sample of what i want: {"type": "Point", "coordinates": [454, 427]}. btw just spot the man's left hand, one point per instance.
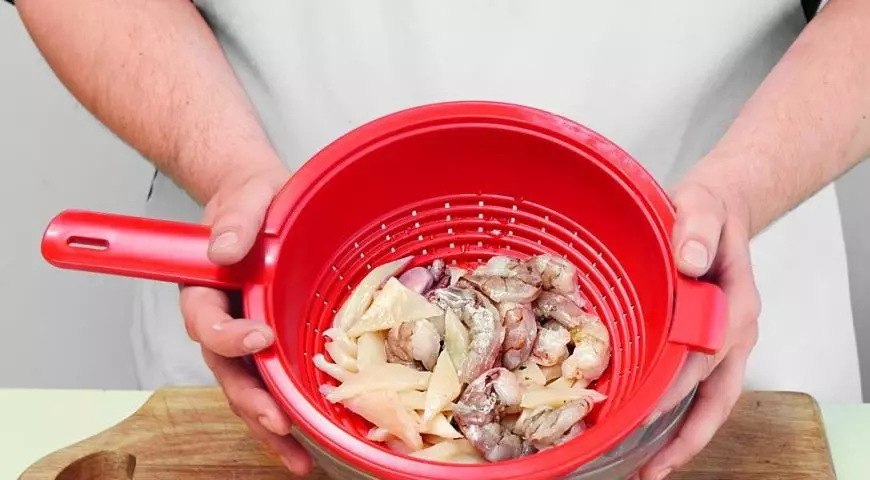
{"type": "Point", "coordinates": [711, 242]}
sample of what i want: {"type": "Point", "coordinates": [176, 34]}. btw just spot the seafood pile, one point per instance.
{"type": "Point", "coordinates": [483, 364]}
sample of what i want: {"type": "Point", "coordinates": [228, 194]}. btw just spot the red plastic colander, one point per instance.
{"type": "Point", "coordinates": [461, 181]}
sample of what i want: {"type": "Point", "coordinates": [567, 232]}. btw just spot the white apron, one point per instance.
{"type": "Point", "coordinates": [661, 79]}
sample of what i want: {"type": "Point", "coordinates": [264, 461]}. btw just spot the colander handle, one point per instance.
{"type": "Point", "coordinates": [700, 316]}
{"type": "Point", "coordinates": [137, 247]}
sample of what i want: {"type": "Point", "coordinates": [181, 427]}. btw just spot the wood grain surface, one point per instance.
{"type": "Point", "coordinates": [190, 433]}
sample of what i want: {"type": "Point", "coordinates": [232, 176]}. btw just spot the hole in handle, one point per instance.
{"type": "Point", "coordinates": [104, 465]}
{"type": "Point", "coordinates": [87, 243]}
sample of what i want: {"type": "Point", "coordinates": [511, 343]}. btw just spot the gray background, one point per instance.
{"type": "Point", "coordinates": [67, 330]}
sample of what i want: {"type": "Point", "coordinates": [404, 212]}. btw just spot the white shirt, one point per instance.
{"type": "Point", "coordinates": [661, 79]}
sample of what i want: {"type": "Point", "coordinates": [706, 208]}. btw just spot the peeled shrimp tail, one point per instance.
{"type": "Point", "coordinates": [575, 431]}
{"type": "Point", "coordinates": [501, 289]}
{"type": "Point", "coordinates": [410, 342]}
{"type": "Point", "coordinates": [588, 361]}
{"type": "Point", "coordinates": [398, 345]}
{"type": "Point", "coordinates": [439, 273]}
{"type": "Point", "coordinates": [497, 443]}
{"type": "Point", "coordinates": [487, 397]}
{"type": "Point", "coordinates": [560, 308]}
{"type": "Point", "coordinates": [556, 273]}
{"type": "Point", "coordinates": [591, 355]}
{"type": "Point", "coordinates": [479, 412]}
{"type": "Point", "coordinates": [544, 426]}
{"type": "Point", "coordinates": [521, 329]}
{"type": "Point", "coordinates": [487, 335]}
{"type": "Point", "coordinates": [551, 346]}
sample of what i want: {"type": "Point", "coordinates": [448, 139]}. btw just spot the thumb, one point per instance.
{"type": "Point", "coordinates": [700, 218]}
{"type": "Point", "coordinates": [238, 220]}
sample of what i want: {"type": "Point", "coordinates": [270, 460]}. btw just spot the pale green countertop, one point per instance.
{"type": "Point", "coordinates": [34, 423]}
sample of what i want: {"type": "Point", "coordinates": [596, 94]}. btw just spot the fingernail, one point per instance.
{"type": "Point", "coordinates": [224, 240]}
{"type": "Point", "coordinates": [255, 341]}
{"type": "Point", "coordinates": [655, 416]}
{"type": "Point", "coordinates": [291, 467]}
{"type": "Point", "coordinates": [695, 254]}
{"type": "Point", "coordinates": [664, 474]}
{"type": "Point", "coordinates": [265, 422]}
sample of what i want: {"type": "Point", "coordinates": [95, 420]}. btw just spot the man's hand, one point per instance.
{"type": "Point", "coordinates": [710, 241]}
{"type": "Point", "coordinates": [236, 214]}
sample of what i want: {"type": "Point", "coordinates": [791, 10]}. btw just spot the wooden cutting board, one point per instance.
{"type": "Point", "coordinates": [190, 434]}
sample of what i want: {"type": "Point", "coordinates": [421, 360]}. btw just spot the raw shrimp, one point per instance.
{"type": "Point", "coordinates": [507, 267]}
{"type": "Point", "coordinates": [545, 426]}
{"type": "Point", "coordinates": [559, 275]}
{"type": "Point", "coordinates": [487, 397]}
{"type": "Point", "coordinates": [521, 329]}
{"type": "Point", "coordinates": [507, 349]}
{"type": "Point", "coordinates": [500, 289]}
{"type": "Point", "coordinates": [575, 431]}
{"type": "Point", "coordinates": [410, 342]}
{"type": "Point", "coordinates": [439, 273]}
{"type": "Point", "coordinates": [505, 279]}
{"type": "Point", "coordinates": [417, 279]}
{"type": "Point", "coordinates": [496, 442]}
{"type": "Point", "coordinates": [591, 355]}
{"type": "Point", "coordinates": [478, 412]}
{"type": "Point", "coordinates": [455, 274]}
{"type": "Point", "coordinates": [551, 346]}
{"type": "Point", "coordinates": [484, 324]}
{"type": "Point", "coordinates": [560, 308]}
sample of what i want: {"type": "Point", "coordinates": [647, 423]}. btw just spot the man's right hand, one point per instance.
{"type": "Point", "coordinates": [236, 213]}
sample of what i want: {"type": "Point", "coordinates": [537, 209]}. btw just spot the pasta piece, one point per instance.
{"type": "Point", "coordinates": [439, 426]}
{"type": "Point", "coordinates": [394, 304]}
{"type": "Point", "coordinates": [558, 396]}
{"type": "Point", "coordinates": [529, 375]}
{"type": "Point", "coordinates": [456, 339]}
{"type": "Point", "coordinates": [430, 440]}
{"type": "Point", "coordinates": [388, 377]}
{"type": "Point", "coordinates": [552, 373]}
{"type": "Point", "coordinates": [341, 357]}
{"type": "Point", "coordinates": [416, 400]}
{"type": "Point", "coordinates": [455, 274]}
{"type": "Point", "coordinates": [443, 387]}
{"type": "Point", "coordinates": [467, 458]}
{"type": "Point", "coordinates": [331, 369]}
{"type": "Point", "coordinates": [340, 337]}
{"type": "Point", "coordinates": [398, 446]}
{"type": "Point", "coordinates": [383, 409]}
{"type": "Point", "coordinates": [371, 350]}
{"type": "Point", "coordinates": [413, 399]}
{"type": "Point", "coordinates": [562, 382]}
{"type": "Point", "coordinates": [445, 451]}
{"type": "Point", "coordinates": [378, 434]}
{"type": "Point", "coordinates": [361, 297]}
